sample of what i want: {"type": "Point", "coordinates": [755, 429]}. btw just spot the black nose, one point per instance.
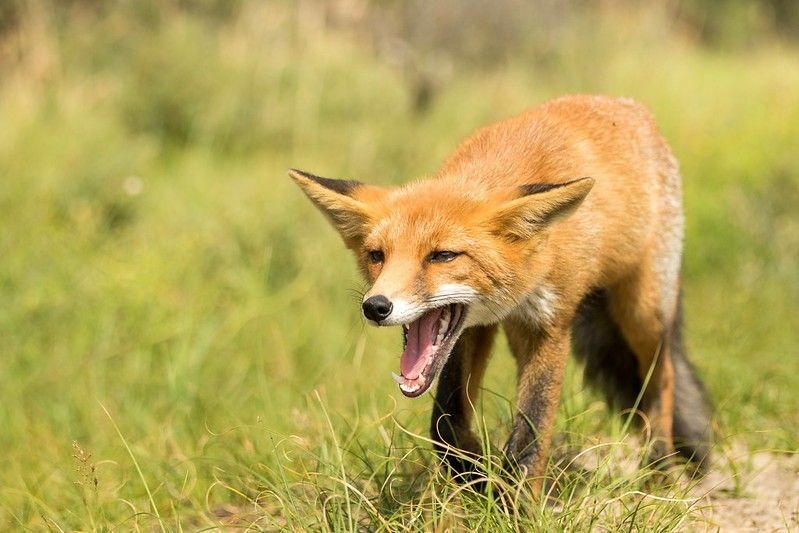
{"type": "Point", "coordinates": [377, 308]}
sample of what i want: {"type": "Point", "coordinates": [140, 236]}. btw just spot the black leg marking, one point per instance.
{"type": "Point", "coordinates": [524, 445]}
{"type": "Point", "coordinates": [449, 425]}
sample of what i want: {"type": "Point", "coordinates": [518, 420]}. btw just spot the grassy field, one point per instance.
{"type": "Point", "coordinates": [180, 339]}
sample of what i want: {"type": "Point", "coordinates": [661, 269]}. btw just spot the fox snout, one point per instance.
{"type": "Point", "coordinates": [377, 308]}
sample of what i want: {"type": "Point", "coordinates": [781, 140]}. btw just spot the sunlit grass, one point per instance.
{"type": "Point", "coordinates": [155, 262]}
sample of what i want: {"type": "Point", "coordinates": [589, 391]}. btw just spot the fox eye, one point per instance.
{"type": "Point", "coordinates": [376, 256]}
{"type": "Point", "coordinates": [442, 256]}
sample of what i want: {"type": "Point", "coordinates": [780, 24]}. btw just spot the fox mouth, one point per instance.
{"type": "Point", "coordinates": [427, 342]}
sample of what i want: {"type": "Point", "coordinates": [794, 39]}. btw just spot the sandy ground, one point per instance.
{"type": "Point", "coordinates": [743, 491]}
{"type": "Point", "coordinates": [766, 499]}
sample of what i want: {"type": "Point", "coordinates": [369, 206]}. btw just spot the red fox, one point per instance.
{"type": "Point", "coordinates": [564, 225]}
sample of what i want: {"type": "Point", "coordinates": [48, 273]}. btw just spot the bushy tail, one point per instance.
{"type": "Point", "coordinates": [692, 426]}
{"type": "Point", "coordinates": [612, 368]}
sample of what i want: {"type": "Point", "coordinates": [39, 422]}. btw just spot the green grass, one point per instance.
{"type": "Point", "coordinates": [180, 343]}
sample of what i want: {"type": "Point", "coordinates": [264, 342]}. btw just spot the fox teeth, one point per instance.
{"type": "Point", "coordinates": [443, 325]}
{"type": "Point", "coordinates": [411, 389]}
{"type": "Point", "coordinates": [420, 382]}
{"type": "Point", "coordinates": [398, 379]}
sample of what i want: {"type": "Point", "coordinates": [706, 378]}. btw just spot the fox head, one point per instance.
{"type": "Point", "coordinates": [441, 256]}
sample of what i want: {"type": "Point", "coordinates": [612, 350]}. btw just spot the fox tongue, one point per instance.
{"type": "Point", "coordinates": [419, 346]}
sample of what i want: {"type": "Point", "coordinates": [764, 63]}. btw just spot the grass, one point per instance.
{"type": "Point", "coordinates": [180, 344]}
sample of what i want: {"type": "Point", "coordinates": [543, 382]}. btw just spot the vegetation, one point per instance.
{"type": "Point", "coordinates": [180, 341]}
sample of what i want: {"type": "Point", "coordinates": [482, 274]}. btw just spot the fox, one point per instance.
{"type": "Point", "coordinates": [563, 226]}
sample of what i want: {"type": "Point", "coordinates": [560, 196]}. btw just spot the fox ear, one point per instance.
{"type": "Point", "coordinates": [334, 198]}
{"type": "Point", "coordinates": [540, 205]}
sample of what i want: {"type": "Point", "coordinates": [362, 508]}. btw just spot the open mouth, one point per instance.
{"type": "Point", "coordinates": [428, 341]}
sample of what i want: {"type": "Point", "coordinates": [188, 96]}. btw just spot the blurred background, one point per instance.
{"type": "Point", "coordinates": [174, 313]}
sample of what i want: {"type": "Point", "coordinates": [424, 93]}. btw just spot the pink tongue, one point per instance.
{"type": "Point", "coordinates": [421, 334]}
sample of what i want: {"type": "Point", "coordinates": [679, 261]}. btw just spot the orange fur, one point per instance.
{"type": "Point", "coordinates": [579, 194]}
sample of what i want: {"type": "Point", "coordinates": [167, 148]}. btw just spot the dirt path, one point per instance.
{"type": "Point", "coordinates": [766, 499]}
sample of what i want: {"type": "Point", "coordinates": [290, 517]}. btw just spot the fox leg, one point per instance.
{"type": "Point", "coordinates": [458, 388]}
{"type": "Point", "coordinates": [541, 360]}
{"type": "Point", "coordinates": [636, 306]}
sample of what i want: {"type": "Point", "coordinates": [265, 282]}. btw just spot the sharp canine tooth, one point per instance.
{"type": "Point", "coordinates": [443, 325]}
{"type": "Point", "coordinates": [397, 378]}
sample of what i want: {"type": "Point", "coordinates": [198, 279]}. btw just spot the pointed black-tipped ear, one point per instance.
{"type": "Point", "coordinates": [539, 205]}
{"type": "Point", "coordinates": [334, 198]}
{"type": "Point", "coordinates": [344, 187]}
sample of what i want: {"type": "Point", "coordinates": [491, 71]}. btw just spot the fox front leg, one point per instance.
{"type": "Point", "coordinates": [458, 387]}
{"type": "Point", "coordinates": [541, 360]}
